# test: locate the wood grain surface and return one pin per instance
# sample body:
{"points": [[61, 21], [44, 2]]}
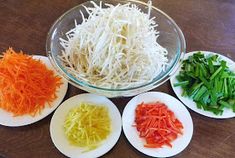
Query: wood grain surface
{"points": [[206, 24]]}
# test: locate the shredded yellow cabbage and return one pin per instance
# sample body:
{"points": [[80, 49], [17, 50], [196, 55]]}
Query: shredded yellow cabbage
{"points": [[87, 125]]}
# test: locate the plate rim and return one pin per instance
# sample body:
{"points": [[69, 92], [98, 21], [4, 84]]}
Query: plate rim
{"points": [[196, 110]]}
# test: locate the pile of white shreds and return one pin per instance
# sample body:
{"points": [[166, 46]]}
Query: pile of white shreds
{"points": [[115, 47]]}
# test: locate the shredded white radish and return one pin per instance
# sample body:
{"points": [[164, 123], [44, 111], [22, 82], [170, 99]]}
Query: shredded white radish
{"points": [[115, 47]]}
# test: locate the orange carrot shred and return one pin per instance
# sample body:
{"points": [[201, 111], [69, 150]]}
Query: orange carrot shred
{"points": [[26, 84]]}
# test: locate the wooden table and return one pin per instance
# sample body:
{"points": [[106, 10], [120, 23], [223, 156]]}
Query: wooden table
{"points": [[206, 24]]}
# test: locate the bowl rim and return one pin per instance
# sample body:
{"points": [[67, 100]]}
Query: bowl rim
{"points": [[78, 83]]}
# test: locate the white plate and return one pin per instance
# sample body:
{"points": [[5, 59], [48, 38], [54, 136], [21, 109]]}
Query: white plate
{"points": [[174, 105], [57, 122], [7, 118], [189, 102]]}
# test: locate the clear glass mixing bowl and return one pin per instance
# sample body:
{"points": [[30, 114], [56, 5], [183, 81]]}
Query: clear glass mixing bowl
{"points": [[171, 37]]}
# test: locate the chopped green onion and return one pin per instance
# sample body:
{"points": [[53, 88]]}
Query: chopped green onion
{"points": [[209, 82], [183, 83]]}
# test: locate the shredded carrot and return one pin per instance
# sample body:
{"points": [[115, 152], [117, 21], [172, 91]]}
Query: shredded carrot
{"points": [[157, 124], [26, 84]]}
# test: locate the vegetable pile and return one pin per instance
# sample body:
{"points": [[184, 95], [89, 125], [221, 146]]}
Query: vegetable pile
{"points": [[114, 47], [87, 125], [26, 84], [209, 82], [157, 124]]}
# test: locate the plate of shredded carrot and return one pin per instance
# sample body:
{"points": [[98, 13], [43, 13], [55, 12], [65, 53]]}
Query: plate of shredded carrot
{"points": [[157, 124], [86, 126], [30, 89]]}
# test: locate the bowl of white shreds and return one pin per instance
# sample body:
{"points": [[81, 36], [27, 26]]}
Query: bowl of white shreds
{"points": [[115, 48]]}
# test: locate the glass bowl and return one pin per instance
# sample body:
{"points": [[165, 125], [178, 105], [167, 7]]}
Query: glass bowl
{"points": [[171, 37]]}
